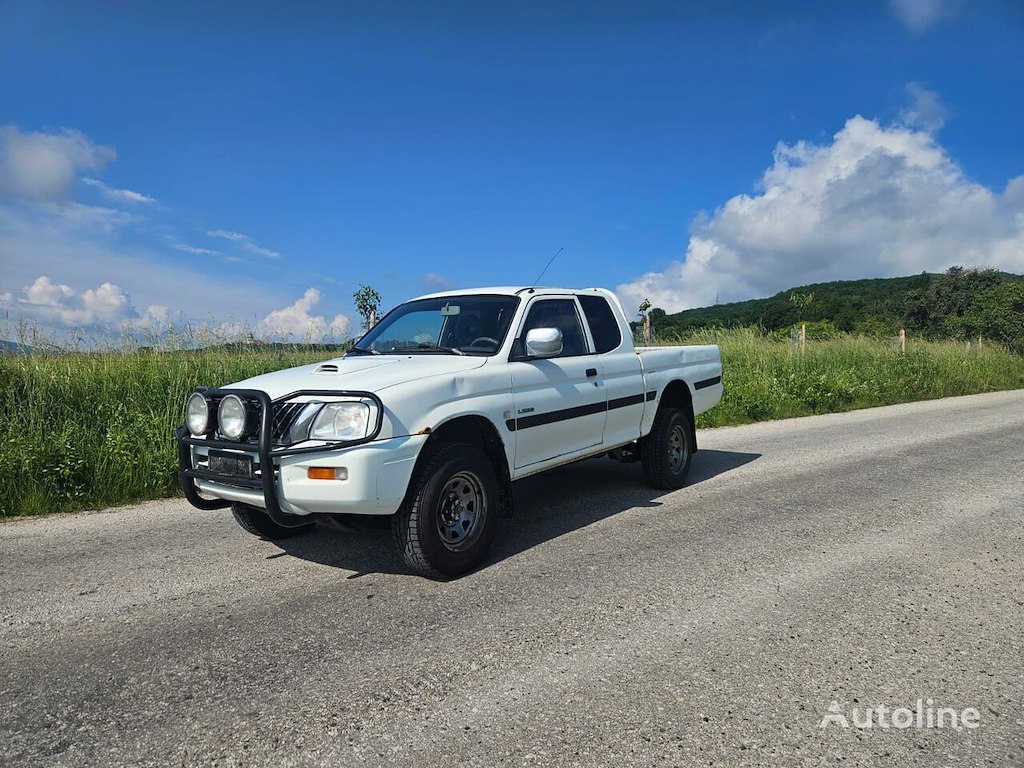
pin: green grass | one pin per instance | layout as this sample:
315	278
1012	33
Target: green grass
94	429
769	379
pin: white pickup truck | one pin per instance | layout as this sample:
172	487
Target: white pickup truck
437	410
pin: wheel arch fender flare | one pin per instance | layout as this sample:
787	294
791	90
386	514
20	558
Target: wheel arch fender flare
677	394
479	431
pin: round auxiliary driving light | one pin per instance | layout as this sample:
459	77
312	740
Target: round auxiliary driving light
197	414
231	416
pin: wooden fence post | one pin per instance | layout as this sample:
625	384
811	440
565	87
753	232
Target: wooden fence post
903	341
647	330
803	338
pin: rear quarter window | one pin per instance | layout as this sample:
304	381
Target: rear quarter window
603	325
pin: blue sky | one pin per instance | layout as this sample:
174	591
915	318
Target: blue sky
255	162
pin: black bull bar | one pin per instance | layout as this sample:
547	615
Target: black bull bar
264	449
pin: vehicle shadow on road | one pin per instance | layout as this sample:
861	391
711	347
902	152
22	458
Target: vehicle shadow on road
546	506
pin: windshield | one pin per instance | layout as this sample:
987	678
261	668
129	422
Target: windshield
453	325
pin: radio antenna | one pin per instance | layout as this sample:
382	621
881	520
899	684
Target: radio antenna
546	266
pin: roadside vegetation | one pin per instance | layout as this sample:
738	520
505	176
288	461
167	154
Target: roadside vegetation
91	429
769	378
960	304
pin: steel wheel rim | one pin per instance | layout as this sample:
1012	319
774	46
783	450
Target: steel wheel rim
676	449
461	508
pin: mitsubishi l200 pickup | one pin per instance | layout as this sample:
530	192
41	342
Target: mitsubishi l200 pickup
437	410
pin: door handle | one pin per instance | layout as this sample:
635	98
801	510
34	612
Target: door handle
591	372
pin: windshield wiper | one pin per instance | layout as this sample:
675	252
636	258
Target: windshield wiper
406	350
436	348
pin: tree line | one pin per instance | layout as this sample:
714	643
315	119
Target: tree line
961	303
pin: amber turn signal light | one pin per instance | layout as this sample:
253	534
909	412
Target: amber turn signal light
327	473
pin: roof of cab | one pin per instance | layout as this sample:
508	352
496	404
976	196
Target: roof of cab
513	290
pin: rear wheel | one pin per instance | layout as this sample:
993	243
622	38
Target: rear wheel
257	522
449	517
667	451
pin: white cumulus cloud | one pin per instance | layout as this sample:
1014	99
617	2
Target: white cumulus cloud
297	322
919	15
42	167
38	171
46	303
43	293
61	223
876	201
926	109
61	304
155	316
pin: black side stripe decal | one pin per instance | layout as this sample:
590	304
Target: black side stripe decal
622	402
541	419
708	382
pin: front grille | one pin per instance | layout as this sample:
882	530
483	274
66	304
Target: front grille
284	416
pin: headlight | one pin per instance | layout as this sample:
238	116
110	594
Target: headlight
341	421
197	414
232	417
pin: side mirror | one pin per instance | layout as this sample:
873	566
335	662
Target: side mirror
544	342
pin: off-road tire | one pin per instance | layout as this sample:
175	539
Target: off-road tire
258	523
667	451
448	470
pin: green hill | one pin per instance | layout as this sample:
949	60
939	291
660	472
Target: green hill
844	303
959	303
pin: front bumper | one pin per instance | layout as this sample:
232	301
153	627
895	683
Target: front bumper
378	471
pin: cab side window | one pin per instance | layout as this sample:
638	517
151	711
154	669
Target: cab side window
561	314
603	325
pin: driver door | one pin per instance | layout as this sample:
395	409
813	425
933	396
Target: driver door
559	403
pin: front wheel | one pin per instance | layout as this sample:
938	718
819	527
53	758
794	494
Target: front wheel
257	522
667	451
449	517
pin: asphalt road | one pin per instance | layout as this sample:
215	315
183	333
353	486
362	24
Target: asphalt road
872	558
